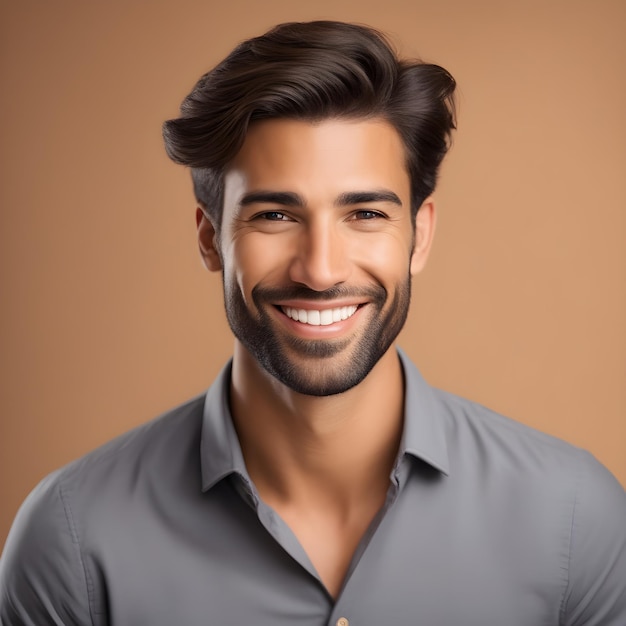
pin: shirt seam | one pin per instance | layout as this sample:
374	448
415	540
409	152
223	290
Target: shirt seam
570	548
75	540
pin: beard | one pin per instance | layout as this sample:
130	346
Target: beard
317	367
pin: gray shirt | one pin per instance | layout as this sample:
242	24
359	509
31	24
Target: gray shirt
486	523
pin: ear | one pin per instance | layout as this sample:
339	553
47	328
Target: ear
207	242
425	222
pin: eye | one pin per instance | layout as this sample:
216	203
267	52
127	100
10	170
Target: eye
367	214
272	216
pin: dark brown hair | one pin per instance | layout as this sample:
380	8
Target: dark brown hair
312	71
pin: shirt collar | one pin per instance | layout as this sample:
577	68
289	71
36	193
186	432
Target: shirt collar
220	452
423	436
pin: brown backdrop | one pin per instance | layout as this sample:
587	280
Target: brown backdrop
108	317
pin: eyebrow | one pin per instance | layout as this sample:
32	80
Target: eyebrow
288	198
283	198
365	197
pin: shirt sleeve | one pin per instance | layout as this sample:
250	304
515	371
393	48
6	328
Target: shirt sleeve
596	592
42	580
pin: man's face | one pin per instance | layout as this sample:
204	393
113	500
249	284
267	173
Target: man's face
316	248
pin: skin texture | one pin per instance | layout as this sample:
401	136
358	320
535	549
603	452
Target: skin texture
317	216
316	249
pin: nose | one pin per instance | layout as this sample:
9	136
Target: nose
321	260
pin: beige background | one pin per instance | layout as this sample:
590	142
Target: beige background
108	317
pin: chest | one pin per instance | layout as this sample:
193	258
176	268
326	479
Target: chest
425	561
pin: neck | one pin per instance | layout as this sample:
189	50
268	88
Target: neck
338	450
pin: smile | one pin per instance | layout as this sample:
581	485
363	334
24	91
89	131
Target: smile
323	317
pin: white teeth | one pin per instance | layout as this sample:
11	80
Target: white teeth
326	317
323	317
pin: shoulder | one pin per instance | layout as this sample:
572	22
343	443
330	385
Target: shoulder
520	456
152	446
128	477
596	584
503	442
44	573
548	484
478	441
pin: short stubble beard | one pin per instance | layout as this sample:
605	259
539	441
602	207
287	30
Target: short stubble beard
273	351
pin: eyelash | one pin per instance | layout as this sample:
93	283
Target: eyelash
371	214
266	216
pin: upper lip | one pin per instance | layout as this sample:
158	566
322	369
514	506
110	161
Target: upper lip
319	305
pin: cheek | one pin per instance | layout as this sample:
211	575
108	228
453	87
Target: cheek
386	258
254	259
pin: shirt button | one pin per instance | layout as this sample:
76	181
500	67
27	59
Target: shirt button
342	621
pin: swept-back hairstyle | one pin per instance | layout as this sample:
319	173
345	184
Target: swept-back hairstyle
312	71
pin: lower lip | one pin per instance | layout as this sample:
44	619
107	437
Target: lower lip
308	331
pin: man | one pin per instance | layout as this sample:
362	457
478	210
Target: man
320	480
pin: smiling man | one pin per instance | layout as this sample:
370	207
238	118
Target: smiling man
320	480
317	250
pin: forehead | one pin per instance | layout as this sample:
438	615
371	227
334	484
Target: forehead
335	155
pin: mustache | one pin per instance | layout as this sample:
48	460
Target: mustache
265	295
